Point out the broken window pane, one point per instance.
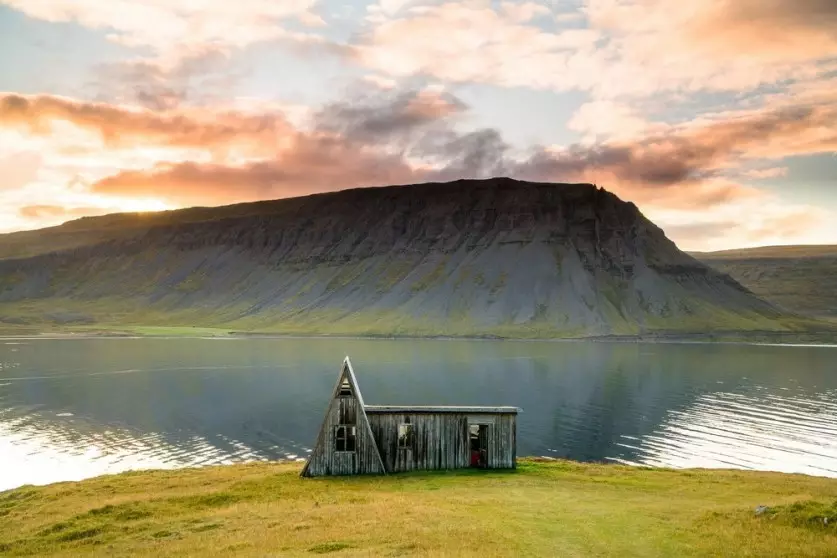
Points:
(345, 438)
(405, 436)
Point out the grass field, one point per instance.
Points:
(767, 252)
(542, 509)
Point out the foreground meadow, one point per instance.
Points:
(553, 508)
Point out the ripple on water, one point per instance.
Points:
(767, 432)
(38, 451)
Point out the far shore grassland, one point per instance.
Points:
(543, 508)
(803, 332)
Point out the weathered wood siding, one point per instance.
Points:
(324, 460)
(440, 435)
(440, 440)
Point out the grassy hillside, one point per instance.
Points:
(772, 252)
(542, 509)
(800, 279)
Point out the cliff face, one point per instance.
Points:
(463, 258)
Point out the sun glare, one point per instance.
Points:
(139, 205)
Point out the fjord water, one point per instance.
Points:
(75, 408)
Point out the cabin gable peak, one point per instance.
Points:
(345, 444)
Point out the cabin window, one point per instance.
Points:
(405, 436)
(345, 387)
(345, 437)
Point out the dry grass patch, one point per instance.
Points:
(542, 509)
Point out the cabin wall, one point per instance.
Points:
(324, 460)
(440, 440)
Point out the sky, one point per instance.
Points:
(717, 118)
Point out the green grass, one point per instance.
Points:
(133, 316)
(554, 508)
(799, 279)
(161, 331)
(435, 276)
(797, 251)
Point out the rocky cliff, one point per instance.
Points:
(492, 257)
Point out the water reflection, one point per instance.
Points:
(788, 434)
(73, 408)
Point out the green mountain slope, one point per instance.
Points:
(493, 257)
(800, 279)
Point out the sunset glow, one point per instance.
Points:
(718, 119)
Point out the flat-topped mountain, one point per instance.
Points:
(471, 257)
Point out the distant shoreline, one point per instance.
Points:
(819, 339)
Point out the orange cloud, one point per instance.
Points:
(697, 150)
(629, 48)
(405, 137)
(53, 211)
(766, 30)
(313, 164)
(126, 126)
(712, 44)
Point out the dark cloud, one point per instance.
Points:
(400, 137)
(369, 143)
(478, 154)
(197, 77)
(689, 155)
(781, 14)
(363, 143)
(387, 117)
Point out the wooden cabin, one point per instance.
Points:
(356, 438)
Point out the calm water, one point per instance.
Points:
(75, 408)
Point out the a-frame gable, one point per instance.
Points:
(345, 407)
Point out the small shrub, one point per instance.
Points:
(205, 501)
(809, 513)
(325, 548)
(131, 511)
(207, 527)
(56, 528)
(80, 534)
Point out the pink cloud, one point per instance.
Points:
(773, 172)
(462, 42)
(171, 25)
(631, 47)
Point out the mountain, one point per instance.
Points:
(800, 279)
(493, 257)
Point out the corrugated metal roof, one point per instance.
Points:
(439, 409)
